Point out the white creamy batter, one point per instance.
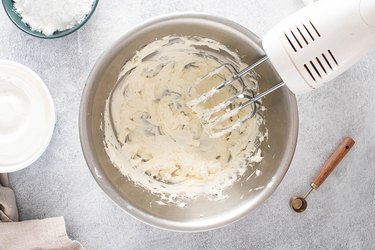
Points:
(155, 140)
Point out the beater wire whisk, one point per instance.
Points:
(207, 116)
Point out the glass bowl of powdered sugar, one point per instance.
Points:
(49, 19)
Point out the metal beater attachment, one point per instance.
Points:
(219, 115)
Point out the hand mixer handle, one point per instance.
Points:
(320, 41)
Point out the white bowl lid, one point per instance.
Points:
(27, 116)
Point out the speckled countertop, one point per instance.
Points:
(340, 214)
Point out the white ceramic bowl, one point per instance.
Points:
(27, 116)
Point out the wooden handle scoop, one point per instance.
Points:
(299, 204)
(332, 162)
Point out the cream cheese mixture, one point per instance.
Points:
(155, 140)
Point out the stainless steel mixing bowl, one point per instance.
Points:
(200, 214)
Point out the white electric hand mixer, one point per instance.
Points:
(307, 49)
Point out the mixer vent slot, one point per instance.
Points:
(316, 70)
(291, 44)
(302, 35)
(296, 39)
(326, 60)
(321, 65)
(308, 31)
(299, 31)
(330, 59)
(334, 59)
(312, 25)
(308, 71)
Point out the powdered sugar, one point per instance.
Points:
(52, 15)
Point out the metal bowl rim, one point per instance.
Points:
(105, 184)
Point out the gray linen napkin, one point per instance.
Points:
(46, 234)
(8, 207)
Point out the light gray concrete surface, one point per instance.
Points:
(341, 214)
